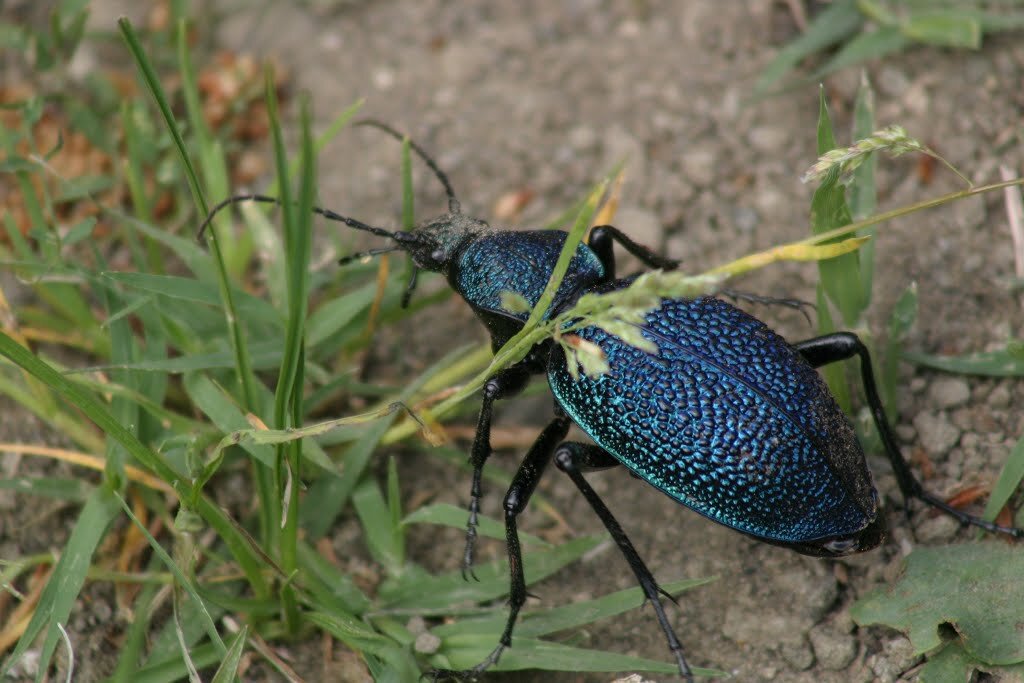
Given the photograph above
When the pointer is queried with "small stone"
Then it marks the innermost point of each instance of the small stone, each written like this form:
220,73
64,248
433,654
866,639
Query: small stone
833,649
427,643
1000,397
916,98
740,628
582,138
416,625
892,82
770,201
969,213
818,590
896,657
948,392
798,653
383,78
936,433
28,664
699,165
769,139
746,219
906,433
101,612
937,528
975,462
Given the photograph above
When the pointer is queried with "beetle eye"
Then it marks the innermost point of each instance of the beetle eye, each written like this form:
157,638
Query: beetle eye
437,255
841,546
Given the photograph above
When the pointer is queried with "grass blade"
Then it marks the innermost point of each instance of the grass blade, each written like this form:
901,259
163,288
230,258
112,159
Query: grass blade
228,669
238,343
839,21
239,544
1009,479
61,591
453,516
438,594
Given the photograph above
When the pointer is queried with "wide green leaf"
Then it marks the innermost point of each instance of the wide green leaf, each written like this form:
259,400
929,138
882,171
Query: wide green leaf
975,589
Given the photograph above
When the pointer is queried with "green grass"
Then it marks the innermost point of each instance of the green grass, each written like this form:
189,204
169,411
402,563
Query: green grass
190,361
191,375
849,32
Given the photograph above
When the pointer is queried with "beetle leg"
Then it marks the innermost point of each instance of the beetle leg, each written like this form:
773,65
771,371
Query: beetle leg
600,242
795,304
411,285
572,458
523,485
508,382
843,345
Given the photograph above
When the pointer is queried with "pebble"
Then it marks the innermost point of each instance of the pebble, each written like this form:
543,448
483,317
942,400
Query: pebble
892,82
582,138
769,139
833,649
934,529
740,628
948,392
935,432
969,213
746,219
797,652
817,588
1000,397
896,657
427,643
916,98
905,432
698,165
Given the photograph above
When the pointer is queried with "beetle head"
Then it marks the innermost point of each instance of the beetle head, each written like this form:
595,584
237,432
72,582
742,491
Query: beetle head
434,243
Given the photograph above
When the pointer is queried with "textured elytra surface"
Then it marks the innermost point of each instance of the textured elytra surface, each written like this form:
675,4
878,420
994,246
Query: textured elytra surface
728,419
521,262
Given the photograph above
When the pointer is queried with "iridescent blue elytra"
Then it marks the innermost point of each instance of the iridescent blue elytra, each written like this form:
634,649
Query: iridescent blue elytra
727,419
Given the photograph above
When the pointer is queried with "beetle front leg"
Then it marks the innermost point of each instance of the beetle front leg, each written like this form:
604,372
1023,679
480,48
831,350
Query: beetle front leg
844,345
602,238
572,458
519,491
508,382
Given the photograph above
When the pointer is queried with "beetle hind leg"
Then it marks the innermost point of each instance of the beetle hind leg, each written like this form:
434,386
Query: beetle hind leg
572,458
843,345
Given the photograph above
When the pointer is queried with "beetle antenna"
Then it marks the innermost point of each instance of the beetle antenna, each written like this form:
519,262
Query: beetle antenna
326,213
453,203
369,253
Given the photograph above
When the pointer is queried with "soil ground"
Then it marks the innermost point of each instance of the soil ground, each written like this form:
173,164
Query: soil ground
547,97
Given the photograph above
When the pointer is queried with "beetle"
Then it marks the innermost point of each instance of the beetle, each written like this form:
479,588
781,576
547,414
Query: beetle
726,418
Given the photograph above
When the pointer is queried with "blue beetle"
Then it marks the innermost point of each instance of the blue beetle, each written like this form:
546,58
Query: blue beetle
727,418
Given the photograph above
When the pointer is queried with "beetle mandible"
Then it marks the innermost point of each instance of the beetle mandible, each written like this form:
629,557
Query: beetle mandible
727,418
